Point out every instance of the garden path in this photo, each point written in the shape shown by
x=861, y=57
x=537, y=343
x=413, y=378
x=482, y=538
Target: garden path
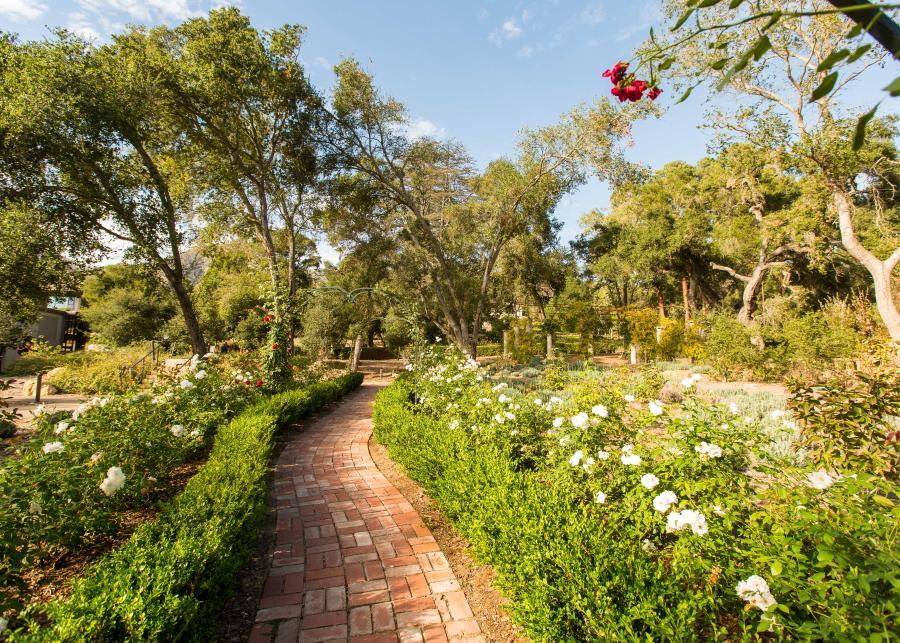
x=352, y=559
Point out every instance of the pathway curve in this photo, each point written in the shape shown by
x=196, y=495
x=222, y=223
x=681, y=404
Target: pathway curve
x=352, y=559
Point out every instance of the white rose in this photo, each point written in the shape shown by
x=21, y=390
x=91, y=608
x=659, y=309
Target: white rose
x=53, y=447
x=631, y=460
x=580, y=420
x=664, y=501
x=558, y=422
x=576, y=458
x=62, y=427
x=115, y=480
x=600, y=498
x=687, y=382
x=186, y=384
x=177, y=430
x=600, y=411
x=602, y=455
x=648, y=480
x=199, y=375
x=628, y=398
x=656, y=407
x=819, y=479
x=755, y=591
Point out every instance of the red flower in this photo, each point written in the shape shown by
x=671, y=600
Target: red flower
x=259, y=383
x=635, y=91
x=617, y=74
x=268, y=318
x=274, y=347
x=653, y=93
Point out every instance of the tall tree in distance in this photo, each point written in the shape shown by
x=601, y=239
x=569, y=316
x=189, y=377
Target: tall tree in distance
x=242, y=99
x=788, y=71
x=85, y=142
x=458, y=223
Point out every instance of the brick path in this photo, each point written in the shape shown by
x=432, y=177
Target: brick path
x=353, y=560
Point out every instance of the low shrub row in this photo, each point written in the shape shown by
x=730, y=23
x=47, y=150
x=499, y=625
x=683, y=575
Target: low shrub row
x=74, y=481
x=609, y=516
x=172, y=574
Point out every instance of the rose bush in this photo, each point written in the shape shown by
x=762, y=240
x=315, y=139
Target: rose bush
x=610, y=515
x=69, y=484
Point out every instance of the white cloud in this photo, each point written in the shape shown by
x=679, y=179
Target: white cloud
x=141, y=10
x=507, y=31
x=649, y=14
x=80, y=24
x=422, y=127
x=593, y=14
x=323, y=62
x=22, y=9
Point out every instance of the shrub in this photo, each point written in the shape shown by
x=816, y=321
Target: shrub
x=52, y=486
x=815, y=339
x=564, y=497
x=852, y=424
x=173, y=573
x=95, y=372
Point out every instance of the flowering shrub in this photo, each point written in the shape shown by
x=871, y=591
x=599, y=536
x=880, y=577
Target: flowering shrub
x=67, y=485
x=164, y=583
x=609, y=515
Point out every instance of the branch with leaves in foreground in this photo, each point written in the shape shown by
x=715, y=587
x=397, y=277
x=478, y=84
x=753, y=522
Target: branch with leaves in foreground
x=869, y=18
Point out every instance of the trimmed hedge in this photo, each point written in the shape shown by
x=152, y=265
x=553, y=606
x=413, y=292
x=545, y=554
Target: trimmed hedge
x=580, y=568
x=164, y=583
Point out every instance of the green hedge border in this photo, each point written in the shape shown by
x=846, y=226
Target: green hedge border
x=167, y=580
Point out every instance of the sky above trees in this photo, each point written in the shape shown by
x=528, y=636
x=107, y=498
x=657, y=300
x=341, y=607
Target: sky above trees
x=477, y=72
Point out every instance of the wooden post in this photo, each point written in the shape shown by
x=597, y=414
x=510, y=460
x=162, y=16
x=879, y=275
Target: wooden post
x=37, y=386
x=549, y=345
x=153, y=351
x=633, y=354
x=506, y=344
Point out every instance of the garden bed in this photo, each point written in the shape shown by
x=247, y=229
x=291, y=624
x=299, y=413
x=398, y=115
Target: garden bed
x=159, y=580
x=610, y=515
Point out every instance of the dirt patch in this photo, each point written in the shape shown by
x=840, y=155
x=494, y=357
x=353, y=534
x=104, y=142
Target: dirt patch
x=475, y=579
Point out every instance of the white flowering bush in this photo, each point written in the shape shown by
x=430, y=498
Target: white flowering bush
x=610, y=515
x=68, y=485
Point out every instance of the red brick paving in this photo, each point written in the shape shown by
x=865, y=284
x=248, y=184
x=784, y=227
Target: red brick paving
x=353, y=560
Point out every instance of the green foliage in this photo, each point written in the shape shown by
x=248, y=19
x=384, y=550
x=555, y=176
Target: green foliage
x=851, y=424
x=174, y=572
x=124, y=305
x=8, y=416
x=52, y=485
x=815, y=339
x=38, y=261
x=518, y=484
x=95, y=372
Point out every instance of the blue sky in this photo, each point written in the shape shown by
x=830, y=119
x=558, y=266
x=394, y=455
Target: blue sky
x=477, y=72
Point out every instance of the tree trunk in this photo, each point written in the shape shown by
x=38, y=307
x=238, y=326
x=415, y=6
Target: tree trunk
x=685, y=296
x=357, y=349
x=660, y=303
x=198, y=344
x=752, y=288
x=879, y=270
